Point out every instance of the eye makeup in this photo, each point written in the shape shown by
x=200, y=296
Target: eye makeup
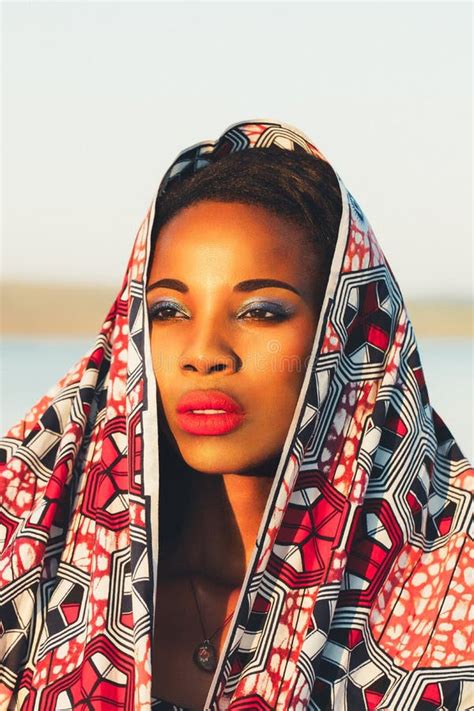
x=279, y=310
x=156, y=309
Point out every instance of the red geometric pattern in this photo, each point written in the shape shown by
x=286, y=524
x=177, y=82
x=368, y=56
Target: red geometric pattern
x=376, y=543
x=315, y=515
x=107, y=488
x=104, y=681
x=358, y=592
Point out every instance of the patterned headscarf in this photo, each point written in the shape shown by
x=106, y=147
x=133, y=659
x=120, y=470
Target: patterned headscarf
x=359, y=590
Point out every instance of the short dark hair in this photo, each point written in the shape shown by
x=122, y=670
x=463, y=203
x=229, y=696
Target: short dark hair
x=293, y=184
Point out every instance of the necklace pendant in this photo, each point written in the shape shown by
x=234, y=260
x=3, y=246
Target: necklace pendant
x=205, y=656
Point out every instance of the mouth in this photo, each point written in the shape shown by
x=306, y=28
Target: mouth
x=209, y=412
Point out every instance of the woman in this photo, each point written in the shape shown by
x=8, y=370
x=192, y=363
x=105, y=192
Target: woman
x=241, y=498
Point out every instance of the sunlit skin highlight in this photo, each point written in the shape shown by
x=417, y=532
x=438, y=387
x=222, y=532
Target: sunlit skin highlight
x=213, y=326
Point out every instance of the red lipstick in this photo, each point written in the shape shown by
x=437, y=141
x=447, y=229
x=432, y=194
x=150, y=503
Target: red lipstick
x=228, y=417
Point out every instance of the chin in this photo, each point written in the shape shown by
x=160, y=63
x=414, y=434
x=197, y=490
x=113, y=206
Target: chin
x=213, y=460
x=216, y=459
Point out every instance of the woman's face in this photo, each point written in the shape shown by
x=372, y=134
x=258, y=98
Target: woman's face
x=225, y=339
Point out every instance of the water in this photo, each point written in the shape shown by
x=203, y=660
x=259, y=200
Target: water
x=30, y=367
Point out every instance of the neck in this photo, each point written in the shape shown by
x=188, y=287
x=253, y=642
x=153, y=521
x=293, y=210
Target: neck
x=219, y=535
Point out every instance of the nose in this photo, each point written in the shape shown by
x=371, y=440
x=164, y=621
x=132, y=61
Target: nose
x=209, y=352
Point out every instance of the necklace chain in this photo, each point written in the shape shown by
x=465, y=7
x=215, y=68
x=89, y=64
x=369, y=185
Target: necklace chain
x=206, y=638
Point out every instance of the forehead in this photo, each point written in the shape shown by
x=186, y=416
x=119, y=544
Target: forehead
x=230, y=241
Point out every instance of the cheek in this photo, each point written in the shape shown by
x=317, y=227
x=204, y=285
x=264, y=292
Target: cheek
x=286, y=356
x=280, y=371
x=165, y=358
x=159, y=353
x=164, y=369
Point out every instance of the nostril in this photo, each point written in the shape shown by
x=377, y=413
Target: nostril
x=210, y=364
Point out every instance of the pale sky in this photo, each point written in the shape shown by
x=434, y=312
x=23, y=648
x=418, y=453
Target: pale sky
x=98, y=98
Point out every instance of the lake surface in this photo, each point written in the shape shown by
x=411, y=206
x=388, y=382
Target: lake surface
x=29, y=367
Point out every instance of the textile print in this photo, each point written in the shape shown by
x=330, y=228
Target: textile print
x=359, y=591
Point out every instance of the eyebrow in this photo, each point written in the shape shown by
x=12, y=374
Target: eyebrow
x=249, y=285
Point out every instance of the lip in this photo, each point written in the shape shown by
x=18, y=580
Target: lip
x=209, y=424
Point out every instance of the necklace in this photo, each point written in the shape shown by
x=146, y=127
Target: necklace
x=205, y=655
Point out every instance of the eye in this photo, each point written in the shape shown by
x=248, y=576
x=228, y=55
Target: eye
x=265, y=312
x=165, y=311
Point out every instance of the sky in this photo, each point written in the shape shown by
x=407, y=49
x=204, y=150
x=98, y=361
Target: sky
x=99, y=97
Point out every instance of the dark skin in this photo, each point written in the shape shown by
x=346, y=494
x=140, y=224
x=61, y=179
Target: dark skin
x=252, y=344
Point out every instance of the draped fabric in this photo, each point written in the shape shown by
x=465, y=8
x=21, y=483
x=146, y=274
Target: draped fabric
x=359, y=591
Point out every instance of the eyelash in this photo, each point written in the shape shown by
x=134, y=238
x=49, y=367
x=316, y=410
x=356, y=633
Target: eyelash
x=279, y=313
